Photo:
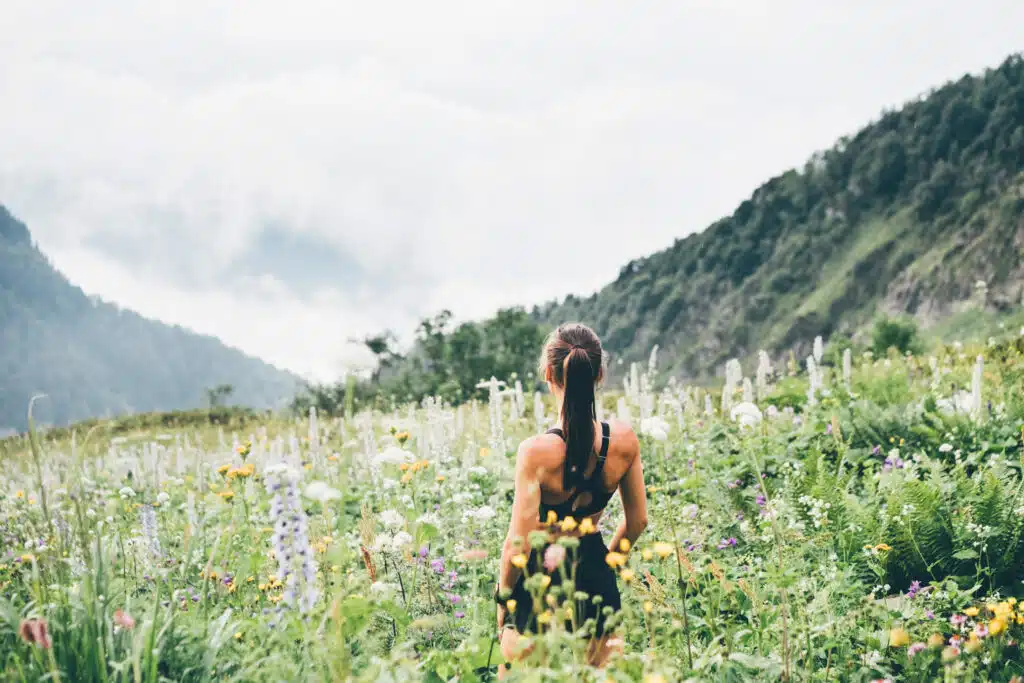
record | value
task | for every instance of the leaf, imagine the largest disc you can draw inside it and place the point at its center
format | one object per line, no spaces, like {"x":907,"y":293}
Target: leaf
{"x":756,"y":662}
{"x":966,"y":554}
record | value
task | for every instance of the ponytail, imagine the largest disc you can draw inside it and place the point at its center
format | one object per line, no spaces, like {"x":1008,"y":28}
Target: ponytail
{"x":578,"y":413}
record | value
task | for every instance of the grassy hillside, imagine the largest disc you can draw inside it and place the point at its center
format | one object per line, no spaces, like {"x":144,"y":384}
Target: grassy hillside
{"x":905,"y":216}
{"x":92,"y":358}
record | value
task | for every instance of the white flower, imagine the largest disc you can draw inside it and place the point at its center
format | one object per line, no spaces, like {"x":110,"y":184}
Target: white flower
{"x":654,"y":427}
{"x":401,"y":540}
{"x":382,"y":589}
{"x":276,"y":468}
{"x":478,"y":470}
{"x":382,"y":542}
{"x":392,"y":519}
{"x":462,"y":498}
{"x":482,"y":514}
{"x":429,"y":518}
{"x":392,"y":455}
{"x":127,"y":492}
{"x":945,"y":448}
{"x":321,"y":492}
{"x":746,"y":413}
{"x":163,"y":497}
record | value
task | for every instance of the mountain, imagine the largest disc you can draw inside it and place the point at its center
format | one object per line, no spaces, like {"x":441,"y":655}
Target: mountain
{"x":904,"y":216}
{"x":92,"y":358}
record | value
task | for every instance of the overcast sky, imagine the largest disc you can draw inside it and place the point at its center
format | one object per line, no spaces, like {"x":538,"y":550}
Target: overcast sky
{"x":287,"y":175}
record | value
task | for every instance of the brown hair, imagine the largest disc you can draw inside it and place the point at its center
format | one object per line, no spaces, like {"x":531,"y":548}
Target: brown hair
{"x":575,"y":358}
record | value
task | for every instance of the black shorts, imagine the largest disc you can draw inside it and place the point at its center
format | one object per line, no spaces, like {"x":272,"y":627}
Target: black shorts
{"x":587,"y":567}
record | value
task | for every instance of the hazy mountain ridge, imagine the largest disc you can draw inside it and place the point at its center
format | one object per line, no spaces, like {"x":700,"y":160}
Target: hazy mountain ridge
{"x":92,"y":358}
{"x":905,"y":216}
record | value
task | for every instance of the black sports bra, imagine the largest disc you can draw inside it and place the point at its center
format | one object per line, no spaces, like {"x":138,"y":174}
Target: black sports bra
{"x":592,"y":485}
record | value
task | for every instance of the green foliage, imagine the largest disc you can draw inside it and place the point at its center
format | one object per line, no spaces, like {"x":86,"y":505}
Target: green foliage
{"x":898,"y":333}
{"x":90,"y":358}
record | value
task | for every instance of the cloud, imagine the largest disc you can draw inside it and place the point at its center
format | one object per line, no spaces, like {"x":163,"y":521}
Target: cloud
{"x":289,"y":177}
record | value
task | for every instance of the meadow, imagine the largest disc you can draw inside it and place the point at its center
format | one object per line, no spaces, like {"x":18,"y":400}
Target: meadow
{"x":846,"y":517}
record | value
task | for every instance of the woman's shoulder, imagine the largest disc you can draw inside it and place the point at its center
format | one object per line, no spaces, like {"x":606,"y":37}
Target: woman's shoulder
{"x":623,"y":438}
{"x":540,"y":450}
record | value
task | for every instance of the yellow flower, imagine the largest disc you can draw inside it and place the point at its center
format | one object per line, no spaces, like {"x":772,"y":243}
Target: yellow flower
{"x":308,"y":466}
{"x":996,"y":626}
{"x":545,"y":580}
{"x":624,"y":545}
{"x":973,"y":644}
{"x":227,"y":495}
{"x":663,"y":549}
{"x":936,"y":640}
{"x":223,"y":469}
{"x":648,"y":606}
{"x":32,"y":501}
{"x":971,"y":611}
{"x":615,"y":559}
{"x":440,"y":478}
{"x":647,"y":554}
{"x":28,"y":557}
{"x":552,"y":518}
{"x":402,"y":437}
{"x":262,"y":586}
{"x":519,"y":560}
{"x":884,"y":547}
{"x":949,"y":653}
{"x":406,"y":478}
{"x":544,"y":617}
{"x":568,"y":524}
{"x":511,"y":605}
{"x":1011,"y":601}
{"x":404,"y":466}
{"x":627,"y":575}
{"x":898,"y":637}
{"x":19,"y":494}
{"x":484,"y":452}
{"x":586,"y":526}
{"x":238,"y":635}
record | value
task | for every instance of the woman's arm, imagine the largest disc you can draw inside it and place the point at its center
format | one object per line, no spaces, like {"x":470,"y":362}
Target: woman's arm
{"x":525,"y":514}
{"x":634,"y":503}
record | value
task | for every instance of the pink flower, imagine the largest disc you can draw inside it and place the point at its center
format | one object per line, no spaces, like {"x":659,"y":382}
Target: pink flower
{"x":123,"y":620}
{"x":553,"y":557}
{"x":915,"y":648}
{"x":475,"y":555}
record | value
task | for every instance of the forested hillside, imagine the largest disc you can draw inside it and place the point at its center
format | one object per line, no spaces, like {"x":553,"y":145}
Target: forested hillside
{"x":92,"y":358}
{"x":905,"y":216}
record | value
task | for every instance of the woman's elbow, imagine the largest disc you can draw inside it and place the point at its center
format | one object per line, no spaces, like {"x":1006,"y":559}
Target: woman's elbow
{"x":638,"y":524}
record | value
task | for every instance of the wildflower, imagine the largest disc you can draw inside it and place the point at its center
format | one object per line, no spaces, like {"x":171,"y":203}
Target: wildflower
{"x":614,"y":559}
{"x":440,"y":478}
{"x":936,"y":640}
{"x":915,"y":587}
{"x":883,"y":547}
{"x":35,"y":632}
{"x":554,"y":556}
{"x":545,"y":580}
{"x":971,"y":611}
{"x":973,"y":644}
{"x":544,"y":617}
{"x":321,"y":492}
{"x":915,"y":648}
{"x":484,"y":452}
{"x":123,"y":620}
{"x":568,"y":524}
{"x":238,"y":635}
{"x":519,"y":560}
{"x":624,"y":545}
{"x":950,"y":653}
{"x":627,"y":575}
{"x":898,"y":637}
{"x":511,"y":605}
{"x":746,"y":414}
{"x":587,"y":527}
{"x":647,"y":554}
{"x":402,"y":437}
{"x":648,"y":606}
{"x":996,"y":626}
{"x":19,"y":494}
{"x":958,"y":620}
{"x":227,"y":495}
{"x":663,"y":549}
{"x":980,"y":631}
{"x":473,"y":555}
{"x":460,"y":615}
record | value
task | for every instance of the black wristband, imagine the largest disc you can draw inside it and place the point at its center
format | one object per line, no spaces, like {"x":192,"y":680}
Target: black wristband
{"x":498,"y":597}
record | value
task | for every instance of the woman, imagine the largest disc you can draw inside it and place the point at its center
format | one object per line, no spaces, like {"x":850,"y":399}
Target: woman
{"x":564,"y":479}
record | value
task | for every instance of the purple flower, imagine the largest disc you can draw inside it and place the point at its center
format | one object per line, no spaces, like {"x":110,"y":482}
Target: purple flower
{"x":437,"y":565}
{"x":455,"y":599}
{"x":915,"y":648}
{"x":915,"y":586}
{"x":423,"y":551}
{"x":828,"y":428}
{"x":958,"y":620}
{"x":460,"y":615}
{"x":761,"y":500}
{"x":739,"y":516}
{"x":928,"y":614}
{"x":876,"y":450}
